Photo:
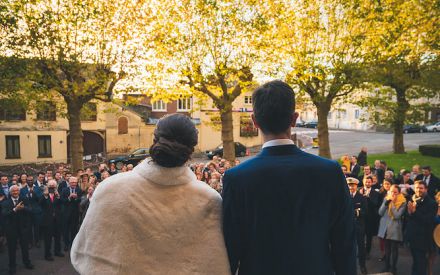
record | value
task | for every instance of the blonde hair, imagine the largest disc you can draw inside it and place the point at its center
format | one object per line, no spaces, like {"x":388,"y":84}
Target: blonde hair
{"x":437,"y":197}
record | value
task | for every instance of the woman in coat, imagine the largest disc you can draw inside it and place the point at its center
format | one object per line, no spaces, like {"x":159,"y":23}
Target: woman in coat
{"x":157,"y":218}
{"x":390,"y":227}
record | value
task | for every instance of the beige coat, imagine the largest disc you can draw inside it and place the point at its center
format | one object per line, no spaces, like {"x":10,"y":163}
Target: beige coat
{"x":152,"y":220}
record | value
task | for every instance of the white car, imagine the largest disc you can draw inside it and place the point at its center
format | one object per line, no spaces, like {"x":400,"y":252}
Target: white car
{"x":433,"y":127}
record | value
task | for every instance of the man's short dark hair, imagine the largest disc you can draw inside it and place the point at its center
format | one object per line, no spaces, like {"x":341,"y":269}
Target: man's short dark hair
{"x":41,"y":173}
{"x":421,"y":182}
{"x":426,"y":168}
{"x":274,"y":104}
{"x":369,"y":178}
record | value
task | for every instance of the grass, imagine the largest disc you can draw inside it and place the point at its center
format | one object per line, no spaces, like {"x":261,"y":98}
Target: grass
{"x":400,"y":161}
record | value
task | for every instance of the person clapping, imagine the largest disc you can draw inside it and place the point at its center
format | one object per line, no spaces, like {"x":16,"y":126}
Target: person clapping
{"x":390,"y":228}
{"x":52,"y":219}
{"x":422,"y":210}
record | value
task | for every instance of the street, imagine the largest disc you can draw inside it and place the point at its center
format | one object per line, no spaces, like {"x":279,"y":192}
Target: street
{"x":350,"y":142}
{"x":63,"y":266}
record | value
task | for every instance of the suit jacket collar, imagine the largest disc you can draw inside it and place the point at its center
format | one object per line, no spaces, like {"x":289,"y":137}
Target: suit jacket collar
{"x":281,"y":150}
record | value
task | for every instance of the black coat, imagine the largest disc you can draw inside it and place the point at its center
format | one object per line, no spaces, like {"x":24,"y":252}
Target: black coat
{"x":19,"y":221}
{"x":420,"y":226}
{"x":52,"y":214}
{"x":71,"y":206}
{"x":362,"y":158}
{"x":433,"y":186}
{"x":355,"y":171}
{"x":63,"y":184}
{"x":372,"y":217}
{"x":288,"y":212}
{"x":380,"y":174}
{"x":360,"y":206}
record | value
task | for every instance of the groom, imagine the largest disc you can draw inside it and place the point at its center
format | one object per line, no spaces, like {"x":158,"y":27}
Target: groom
{"x":286,"y":211}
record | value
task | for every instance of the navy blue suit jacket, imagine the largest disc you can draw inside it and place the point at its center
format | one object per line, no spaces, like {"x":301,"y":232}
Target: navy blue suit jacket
{"x":34,"y":199}
{"x":288,"y":212}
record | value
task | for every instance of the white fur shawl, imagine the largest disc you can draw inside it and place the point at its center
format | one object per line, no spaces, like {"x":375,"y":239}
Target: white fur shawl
{"x":152,"y":220}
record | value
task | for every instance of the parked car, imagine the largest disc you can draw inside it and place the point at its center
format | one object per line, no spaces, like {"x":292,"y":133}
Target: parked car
{"x":433,"y":127}
{"x":311,"y":124}
{"x":240,"y":151}
{"x":413,"y":128}
{"x":299,"y":123}
{"x":133,"y":158}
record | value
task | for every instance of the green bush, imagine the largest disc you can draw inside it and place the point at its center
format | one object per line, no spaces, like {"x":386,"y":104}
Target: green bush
{"x":430,"y":150}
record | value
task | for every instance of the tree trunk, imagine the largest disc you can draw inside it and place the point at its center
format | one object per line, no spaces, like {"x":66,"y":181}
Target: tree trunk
{"x":323,"y":135}
{"x":227,"y":134}
{"x":399,"y":121}
{"x":76,"y":136}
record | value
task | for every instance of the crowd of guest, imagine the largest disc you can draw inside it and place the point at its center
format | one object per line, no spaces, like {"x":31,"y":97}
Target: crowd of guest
{"x":46,"y":208}
{"x":212,"y":172}
{"x":401,"y":208}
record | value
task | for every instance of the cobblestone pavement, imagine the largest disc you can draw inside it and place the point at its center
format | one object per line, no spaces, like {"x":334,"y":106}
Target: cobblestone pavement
{"x":62,"y":266}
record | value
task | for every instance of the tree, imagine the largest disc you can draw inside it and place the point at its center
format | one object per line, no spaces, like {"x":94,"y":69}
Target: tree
{"x":320,"y":44}
{"x":77,"y":49}
{"x":402,"y":56}
{"x":207,"y":49}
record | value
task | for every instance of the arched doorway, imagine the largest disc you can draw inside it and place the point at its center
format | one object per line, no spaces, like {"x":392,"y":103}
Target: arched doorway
{"x":93,"y":143}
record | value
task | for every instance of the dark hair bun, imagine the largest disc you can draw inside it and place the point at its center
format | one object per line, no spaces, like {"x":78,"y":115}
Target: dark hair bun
{"x":174,"y":140}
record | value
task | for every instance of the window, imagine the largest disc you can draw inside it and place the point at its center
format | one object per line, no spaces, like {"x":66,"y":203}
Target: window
{"x":44,"y":146}
{"x":122,"y":125}
{"x":46,"y":110}
{"x":343,"y":114}
{"x":159,"y":106}
{"x":89,"y":112}
{"x":356,"y":114}
{"x":247,"y":128}
{"x":184,"y":104}
{"x":12,"y":147}
{"x":248,"y":99}
{"x":10,"y":110}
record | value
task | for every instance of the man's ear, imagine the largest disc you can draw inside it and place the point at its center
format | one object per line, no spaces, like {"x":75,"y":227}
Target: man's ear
{"x":255,"y":122}
{"x":294,"y":118}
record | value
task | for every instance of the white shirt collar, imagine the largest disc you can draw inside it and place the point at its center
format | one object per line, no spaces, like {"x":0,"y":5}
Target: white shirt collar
{"x":278,"y":142}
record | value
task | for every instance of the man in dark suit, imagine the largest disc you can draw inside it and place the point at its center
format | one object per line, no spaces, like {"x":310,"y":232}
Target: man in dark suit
{"x":372,"y":218}
{"x":33,"y":193}
{"x":431,"y":180}
{"x":422,"y":210}
{"x":360,"y":211}
{"x":2,"y":234}
{"x":286,"y":211}
{"x":52,"y":220}
{"x":40,"y":181}
{"x":71,"y":197}
{"x":355,"y":167}
{"x":5,"y":185}
{"x":16,"y":213}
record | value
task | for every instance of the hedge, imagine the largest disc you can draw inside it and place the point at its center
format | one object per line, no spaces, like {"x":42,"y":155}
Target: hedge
{"x":432,"y":150}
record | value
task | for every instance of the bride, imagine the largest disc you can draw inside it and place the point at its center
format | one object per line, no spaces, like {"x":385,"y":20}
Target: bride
{"x":156,"y":219}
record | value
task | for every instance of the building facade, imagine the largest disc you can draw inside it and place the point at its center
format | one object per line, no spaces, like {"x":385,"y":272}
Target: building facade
{"x":42,"y":136}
